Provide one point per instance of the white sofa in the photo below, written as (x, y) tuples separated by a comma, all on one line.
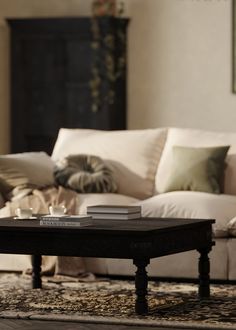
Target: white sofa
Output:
[(141, 161)]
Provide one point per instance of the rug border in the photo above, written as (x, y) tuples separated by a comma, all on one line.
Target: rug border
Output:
[(114, 320)]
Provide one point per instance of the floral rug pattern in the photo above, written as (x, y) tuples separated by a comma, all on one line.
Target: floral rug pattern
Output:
[(107, 300)]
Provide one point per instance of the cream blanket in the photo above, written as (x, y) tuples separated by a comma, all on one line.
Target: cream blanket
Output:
[(40, 200)]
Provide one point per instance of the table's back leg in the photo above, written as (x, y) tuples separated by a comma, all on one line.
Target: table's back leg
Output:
[(204, 271), (141, 284), (36, 261)]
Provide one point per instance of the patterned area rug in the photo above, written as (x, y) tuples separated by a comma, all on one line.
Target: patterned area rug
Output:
[(112, 301)]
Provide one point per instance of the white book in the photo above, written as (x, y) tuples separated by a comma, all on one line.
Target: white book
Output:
[(116, 216), (120, 209), (58, 223), (66, 218)]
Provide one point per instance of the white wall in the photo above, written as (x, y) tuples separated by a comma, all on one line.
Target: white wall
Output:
[(179, 60), (180, 64)]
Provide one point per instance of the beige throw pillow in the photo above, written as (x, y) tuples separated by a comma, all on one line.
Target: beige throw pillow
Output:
[(232, 227), (25, 170), (133, 155)]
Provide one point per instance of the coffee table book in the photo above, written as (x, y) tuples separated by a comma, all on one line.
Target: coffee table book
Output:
[(116, 216), (111, 209), (66, 220)]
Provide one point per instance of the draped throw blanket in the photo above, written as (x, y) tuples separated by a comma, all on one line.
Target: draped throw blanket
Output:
[(40, 200)]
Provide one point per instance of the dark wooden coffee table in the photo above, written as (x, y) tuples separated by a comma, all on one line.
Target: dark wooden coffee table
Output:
[(139, 240)]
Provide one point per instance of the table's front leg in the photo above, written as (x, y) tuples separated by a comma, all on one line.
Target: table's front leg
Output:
[(36, 261), (141, 284), (204, 271)]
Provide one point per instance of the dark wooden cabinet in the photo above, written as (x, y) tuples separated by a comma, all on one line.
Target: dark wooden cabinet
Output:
[(66, 72)]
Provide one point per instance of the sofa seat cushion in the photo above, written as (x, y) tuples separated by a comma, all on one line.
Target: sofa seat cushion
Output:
[(231, 244), (85, 200), (198, 138), (191, 204), (133, 155), (182, 265)]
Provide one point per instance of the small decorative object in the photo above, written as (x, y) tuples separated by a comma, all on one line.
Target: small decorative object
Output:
[(104, 7), (24, 213), (57, 210)]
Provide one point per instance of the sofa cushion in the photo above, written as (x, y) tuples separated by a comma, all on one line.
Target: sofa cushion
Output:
[(198, 138), (197, 169), (133, 155), (195, 205), (231, 245), (28, 170), (232, 227)]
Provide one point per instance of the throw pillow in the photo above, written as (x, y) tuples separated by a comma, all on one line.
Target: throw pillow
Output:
[(190, 137), (26, 171), (197, 169), (232, 227), (84, 174)]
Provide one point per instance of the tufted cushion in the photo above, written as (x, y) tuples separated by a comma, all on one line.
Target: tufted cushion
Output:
[(84, 174)]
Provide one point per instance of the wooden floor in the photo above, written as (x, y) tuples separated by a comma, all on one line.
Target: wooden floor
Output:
[(11, 324)]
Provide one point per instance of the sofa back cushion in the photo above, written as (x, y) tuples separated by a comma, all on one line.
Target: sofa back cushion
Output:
[(197, 138), (133, 155)]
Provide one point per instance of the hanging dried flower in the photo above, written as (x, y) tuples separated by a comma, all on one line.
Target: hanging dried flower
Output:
[(108, 64), (104, 7)]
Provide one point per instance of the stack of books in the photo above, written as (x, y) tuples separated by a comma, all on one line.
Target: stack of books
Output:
[(114, 212), (66, 220)]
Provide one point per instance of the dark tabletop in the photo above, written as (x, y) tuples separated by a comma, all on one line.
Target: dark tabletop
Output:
[(138, 226)]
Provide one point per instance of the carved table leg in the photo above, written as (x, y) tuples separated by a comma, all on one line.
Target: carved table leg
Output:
[(36, 270), (141, 284), (204, 270)]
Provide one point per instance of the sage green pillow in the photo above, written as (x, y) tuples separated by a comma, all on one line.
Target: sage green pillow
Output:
[(197, 169)]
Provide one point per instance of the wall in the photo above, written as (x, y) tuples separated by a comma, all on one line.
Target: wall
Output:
[(179, 60), (180, 64)]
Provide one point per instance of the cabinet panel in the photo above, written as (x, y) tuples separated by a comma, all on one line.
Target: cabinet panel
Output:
[(78, 50), (52, 63)]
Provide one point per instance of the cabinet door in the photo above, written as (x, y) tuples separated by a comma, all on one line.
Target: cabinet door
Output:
[(38, 102), (78, 59)]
